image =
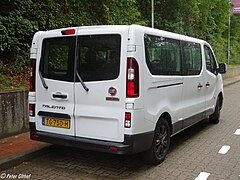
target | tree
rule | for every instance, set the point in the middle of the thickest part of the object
(15, 28)
(235, 39)
(19, 20)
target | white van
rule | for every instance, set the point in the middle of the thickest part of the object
(120, 89)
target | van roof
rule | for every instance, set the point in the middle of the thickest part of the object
(133, 27)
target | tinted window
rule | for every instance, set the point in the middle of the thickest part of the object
(163, 55)
(192, 61)
(210, 60)
(99, 57)
(57, 58)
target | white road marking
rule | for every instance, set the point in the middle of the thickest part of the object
(224, 149)
(202, 176)
(237, 132)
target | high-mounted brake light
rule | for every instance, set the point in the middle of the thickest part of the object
(132, 78)
(32, 75)
(68, 32)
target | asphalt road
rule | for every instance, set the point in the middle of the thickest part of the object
(204, 151)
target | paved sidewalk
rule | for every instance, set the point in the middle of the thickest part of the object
(17, 149)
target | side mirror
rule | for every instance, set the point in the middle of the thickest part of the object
(222, 69)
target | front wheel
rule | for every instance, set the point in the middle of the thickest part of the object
(160, 145)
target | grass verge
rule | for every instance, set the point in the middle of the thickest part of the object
(13, 83)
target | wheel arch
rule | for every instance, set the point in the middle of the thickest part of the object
(220, 96)
(167, 116)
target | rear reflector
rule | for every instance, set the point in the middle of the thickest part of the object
(68, 32)
(36, 136)
(112, 148)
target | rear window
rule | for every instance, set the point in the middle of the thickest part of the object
(58, 58)
(99, 57)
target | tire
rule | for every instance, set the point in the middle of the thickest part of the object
(160, 145)
(214, 118)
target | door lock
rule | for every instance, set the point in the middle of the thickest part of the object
(199, 86)
(208, 84)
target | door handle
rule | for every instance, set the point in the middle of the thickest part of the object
(208, 84)
(60, 96)
(199, 86)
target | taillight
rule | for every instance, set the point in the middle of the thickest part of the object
(32, 110)
(132, 78)
(32, 74)
(127, 122)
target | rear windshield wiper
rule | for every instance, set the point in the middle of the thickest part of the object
(43, 81)
(83, 84)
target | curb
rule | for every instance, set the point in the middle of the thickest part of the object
(231, 81)
(18, 159)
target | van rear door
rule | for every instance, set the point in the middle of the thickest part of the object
(100, 111)
(55, 83)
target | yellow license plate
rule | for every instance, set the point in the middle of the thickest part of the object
(62, 123)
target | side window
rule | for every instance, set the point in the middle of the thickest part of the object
(57, 58)
(163, 55)
(192, 61)
(210, 60)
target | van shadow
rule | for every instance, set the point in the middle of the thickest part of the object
(97, 165)
(188, 134)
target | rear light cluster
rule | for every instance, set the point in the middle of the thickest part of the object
(31, 110)
(127, 122)
(32, 85)
(132, 78)
(132, 86)
(32, 75)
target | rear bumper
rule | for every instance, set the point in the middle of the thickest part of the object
(132, 143)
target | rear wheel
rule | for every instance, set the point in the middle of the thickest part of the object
(214, 118)
(160, 145)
